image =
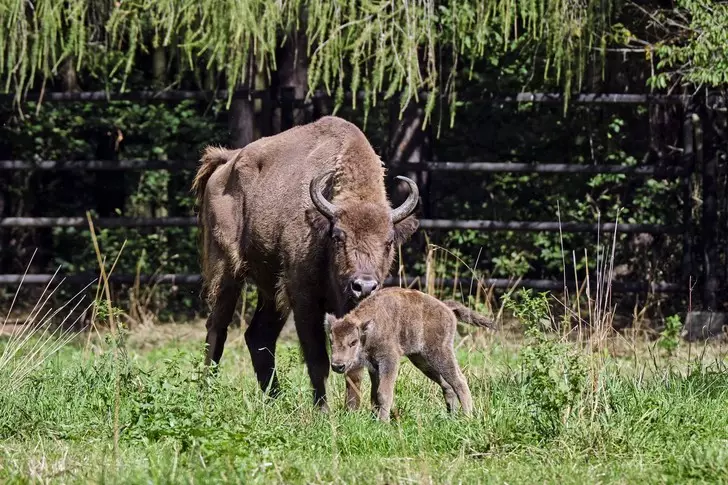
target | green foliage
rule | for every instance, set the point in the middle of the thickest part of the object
(670, 335)
(696, 51)
(80, 131)
(554, 373)
(388, 47)
(585, 136)
(532, 311)
(514, 265)
(106, 312)
(176, 428)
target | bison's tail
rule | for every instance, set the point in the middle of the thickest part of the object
(466, 315)
(212, 158)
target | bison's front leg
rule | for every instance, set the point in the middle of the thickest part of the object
(309, 319)
(261, 337)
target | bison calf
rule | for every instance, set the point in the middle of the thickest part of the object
(394, 322)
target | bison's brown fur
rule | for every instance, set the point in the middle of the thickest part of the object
(396, 322)
(304, 215)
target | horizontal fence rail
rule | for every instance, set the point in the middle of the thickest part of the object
(490, 167)
(110, 165)
(555, 168)
(435, 224)
(100, 222)
(492, 226)
(287, 95)
(409, 281)
(287, 100)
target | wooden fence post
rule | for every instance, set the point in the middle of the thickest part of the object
(688, 163)
(288, 99)
(709, 219)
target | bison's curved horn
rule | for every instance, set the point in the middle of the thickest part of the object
(315, 189)
(408, 205)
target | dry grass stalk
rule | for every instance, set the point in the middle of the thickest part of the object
(33, 342)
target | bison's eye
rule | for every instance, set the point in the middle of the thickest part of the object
(353, 343)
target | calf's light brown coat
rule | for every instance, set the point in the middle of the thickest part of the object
(395, 322)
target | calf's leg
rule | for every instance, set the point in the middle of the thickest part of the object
(217, 323)
(448, 393)
(450, 371)
(374, 378)
(387, 370)
(353, 389)
(260, 337)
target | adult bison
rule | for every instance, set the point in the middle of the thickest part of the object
(304, 215)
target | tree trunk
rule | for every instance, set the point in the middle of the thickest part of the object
(110, 187)
(159, 67)
(241, 117)
(6, 179)
(69, 78)
(291, 82)
(409, 143)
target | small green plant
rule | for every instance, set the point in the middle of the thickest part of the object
(670, 335)
(553, 372)
(514, 264)
(531, 311)
(104, 311)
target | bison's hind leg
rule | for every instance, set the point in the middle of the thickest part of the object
(222, 286)
(224, 300)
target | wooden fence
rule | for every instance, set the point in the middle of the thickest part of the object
(685, 173)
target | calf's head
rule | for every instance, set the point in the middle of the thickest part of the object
(363, 236)
(347, 338)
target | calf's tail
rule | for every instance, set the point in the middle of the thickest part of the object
(466, 315)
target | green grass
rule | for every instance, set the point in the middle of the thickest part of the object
(646, 421)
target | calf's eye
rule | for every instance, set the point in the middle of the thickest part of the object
(352, 343)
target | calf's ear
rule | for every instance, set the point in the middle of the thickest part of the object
(404, 229)
(328, 321)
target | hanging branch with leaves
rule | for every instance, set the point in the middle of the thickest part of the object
(381, 47)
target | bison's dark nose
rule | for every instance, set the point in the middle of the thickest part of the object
(338, 368)
(363, 286)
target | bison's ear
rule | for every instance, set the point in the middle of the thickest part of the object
(317, 221)
(404, 229)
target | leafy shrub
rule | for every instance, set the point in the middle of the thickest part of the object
(670, 335)
(553, 372)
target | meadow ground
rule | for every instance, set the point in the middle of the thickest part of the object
(624, 415)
